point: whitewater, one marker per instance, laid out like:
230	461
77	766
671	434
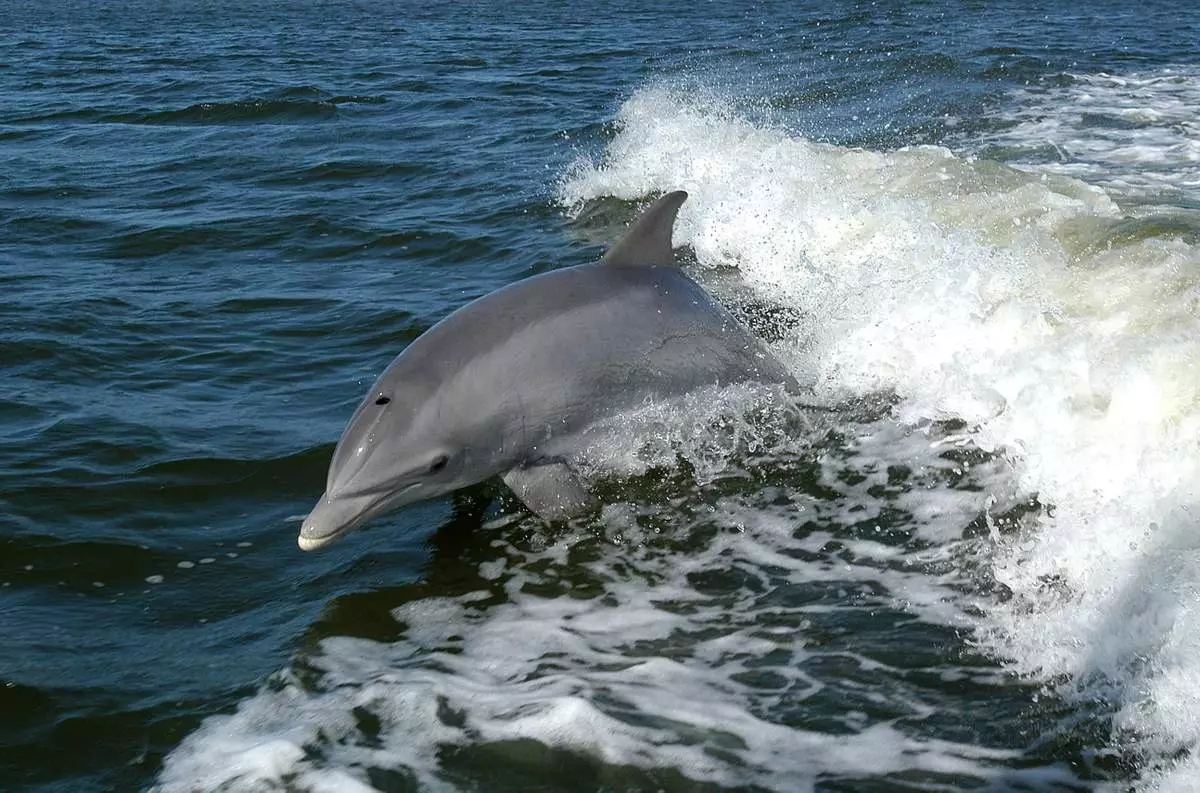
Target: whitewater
1007	327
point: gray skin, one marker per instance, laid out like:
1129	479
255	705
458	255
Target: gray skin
508	384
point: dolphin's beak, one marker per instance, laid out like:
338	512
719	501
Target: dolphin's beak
333	517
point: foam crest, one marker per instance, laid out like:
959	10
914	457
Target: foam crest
1136	134
1010	301
711	645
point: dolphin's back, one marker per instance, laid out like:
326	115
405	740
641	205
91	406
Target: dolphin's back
575	344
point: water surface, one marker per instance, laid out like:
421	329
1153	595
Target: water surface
970	228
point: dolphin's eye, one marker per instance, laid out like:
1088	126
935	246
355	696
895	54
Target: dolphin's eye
382	400
439	464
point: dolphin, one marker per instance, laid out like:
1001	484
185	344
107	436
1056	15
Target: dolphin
508	384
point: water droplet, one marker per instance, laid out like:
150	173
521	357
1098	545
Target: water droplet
154	579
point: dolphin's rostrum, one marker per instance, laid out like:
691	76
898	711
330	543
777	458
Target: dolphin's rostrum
507	384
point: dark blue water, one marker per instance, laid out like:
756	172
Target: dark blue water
219	221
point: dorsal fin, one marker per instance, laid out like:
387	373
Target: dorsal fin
648	241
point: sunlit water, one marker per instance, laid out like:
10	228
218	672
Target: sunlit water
971	561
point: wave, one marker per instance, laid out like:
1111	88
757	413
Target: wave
1026	480
1019	305
709	646
1135	134
286	106
249	111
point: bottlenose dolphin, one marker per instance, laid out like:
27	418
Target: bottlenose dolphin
509	383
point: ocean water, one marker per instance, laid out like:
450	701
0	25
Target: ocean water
971	229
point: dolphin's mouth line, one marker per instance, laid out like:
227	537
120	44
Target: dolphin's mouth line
382	490
313	543
309	541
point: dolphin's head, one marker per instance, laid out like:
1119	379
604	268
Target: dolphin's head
395	451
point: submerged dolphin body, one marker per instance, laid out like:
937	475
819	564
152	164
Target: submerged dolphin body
508	383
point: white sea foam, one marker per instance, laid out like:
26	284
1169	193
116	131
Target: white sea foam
1136	134
997	297
685	661
970	291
